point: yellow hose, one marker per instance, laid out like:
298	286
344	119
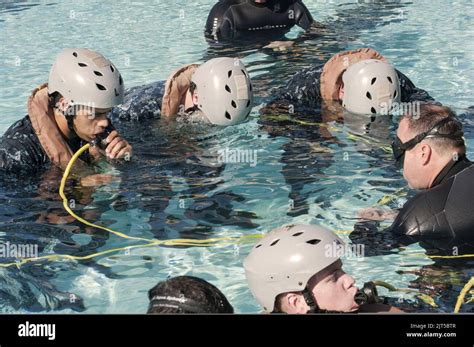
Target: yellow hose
462	294
149	242
182	242
68	209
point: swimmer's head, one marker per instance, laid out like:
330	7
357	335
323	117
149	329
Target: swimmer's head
83	86
85	77
370	86
302	271
426	141
187	294
222	91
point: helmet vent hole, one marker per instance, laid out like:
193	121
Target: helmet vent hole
234	105
74	54
98	73
298	234
389	79
274	242
228	88
260	245
373	80
373	110
229	73
369	96
227	115
248	103
395	94
82	64
112	68
250	87
313	241
244	73
120	80
100	86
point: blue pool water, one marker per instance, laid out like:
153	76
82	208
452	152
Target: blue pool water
174	164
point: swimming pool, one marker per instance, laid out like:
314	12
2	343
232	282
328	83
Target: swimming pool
175	164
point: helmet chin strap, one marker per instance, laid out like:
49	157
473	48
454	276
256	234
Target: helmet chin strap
310	301
191	109
70	120
70	124
195	111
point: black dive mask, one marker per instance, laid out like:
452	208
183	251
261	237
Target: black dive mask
399	148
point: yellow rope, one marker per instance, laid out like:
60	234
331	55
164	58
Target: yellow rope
182	242
68	209
149	242
462	294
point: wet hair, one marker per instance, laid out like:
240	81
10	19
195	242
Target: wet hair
53	99
192	87
187	294
277	307
428	117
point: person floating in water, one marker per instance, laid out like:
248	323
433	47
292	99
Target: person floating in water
63	114
351	87
430	148
302	273
230	19
218	92
361	80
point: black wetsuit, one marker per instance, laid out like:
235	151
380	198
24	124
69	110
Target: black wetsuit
441	217
22	152
237	18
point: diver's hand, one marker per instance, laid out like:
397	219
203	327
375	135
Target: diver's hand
377	214
117	147
98	180
279	45
95	153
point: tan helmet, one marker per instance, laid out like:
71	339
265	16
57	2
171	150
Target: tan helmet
224	90
286	258
370	87
85	77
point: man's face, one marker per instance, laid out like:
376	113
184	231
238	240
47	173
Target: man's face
89	122
412	167
333	289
